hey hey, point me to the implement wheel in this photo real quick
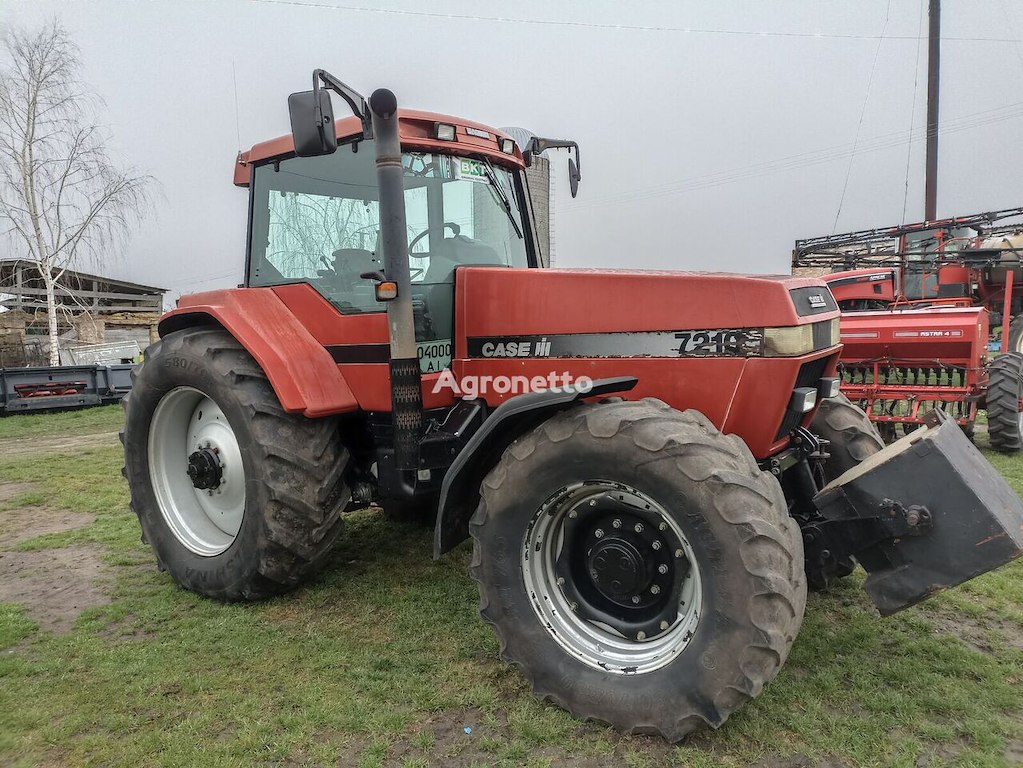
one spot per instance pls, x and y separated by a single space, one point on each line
1004 415
638 566
238 499
1016 336
853 439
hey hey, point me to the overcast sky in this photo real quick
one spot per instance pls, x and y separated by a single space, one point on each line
713 133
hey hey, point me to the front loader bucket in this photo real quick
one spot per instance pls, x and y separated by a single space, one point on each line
926 513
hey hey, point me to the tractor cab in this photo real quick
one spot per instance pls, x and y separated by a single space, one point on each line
315 213
317 221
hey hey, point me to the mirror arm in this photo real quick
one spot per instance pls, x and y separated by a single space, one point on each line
539 145
353 98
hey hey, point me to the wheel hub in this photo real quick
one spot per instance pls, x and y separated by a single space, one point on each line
612 577
196 471
621 566
204 469
617 569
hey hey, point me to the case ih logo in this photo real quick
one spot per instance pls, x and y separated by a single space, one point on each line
817 300
530 348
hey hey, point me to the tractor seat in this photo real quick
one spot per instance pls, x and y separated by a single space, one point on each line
352 262
459 251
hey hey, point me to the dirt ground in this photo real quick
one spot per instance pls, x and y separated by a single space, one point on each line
56 585
57 444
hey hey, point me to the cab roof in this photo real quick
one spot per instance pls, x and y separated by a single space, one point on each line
417 130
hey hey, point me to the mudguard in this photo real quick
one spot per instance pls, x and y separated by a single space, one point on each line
935 513
460 490
301 371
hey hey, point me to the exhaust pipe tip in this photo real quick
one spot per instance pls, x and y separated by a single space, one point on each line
383 102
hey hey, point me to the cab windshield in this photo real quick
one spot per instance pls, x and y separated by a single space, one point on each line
316 220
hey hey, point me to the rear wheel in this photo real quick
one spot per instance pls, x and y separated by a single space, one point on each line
1004 415
853 439
238 499
638 566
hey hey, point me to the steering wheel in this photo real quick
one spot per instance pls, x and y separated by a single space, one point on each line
447 225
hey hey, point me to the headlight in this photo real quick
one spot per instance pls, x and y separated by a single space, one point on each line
788 342
803 399
801 339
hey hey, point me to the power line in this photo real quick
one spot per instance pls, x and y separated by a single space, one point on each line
912 111
841 151
863 112
803 160
1009 26
616 27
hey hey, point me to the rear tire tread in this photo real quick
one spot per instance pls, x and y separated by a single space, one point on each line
307 492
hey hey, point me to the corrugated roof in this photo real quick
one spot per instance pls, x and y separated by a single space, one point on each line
7 271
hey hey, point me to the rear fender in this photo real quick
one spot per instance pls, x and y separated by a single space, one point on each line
460 490
301 371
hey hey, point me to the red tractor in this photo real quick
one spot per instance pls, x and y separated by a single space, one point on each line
651 465
919 302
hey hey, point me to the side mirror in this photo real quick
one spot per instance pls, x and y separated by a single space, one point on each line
538 145
312 123
573 177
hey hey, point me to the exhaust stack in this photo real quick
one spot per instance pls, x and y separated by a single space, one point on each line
406 381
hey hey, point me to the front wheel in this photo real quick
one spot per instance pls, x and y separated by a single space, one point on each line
638 566
852 440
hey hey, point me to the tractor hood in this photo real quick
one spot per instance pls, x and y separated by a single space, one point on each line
594 301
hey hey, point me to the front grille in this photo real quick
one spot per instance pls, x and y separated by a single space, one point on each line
810 374
822 335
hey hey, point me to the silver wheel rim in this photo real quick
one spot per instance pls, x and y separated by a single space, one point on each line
596 644
205 521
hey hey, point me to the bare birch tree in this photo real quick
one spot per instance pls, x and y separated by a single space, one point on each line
62 197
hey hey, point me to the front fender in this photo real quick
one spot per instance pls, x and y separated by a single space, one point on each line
460 490
301 371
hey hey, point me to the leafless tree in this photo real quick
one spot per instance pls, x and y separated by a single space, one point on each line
62 197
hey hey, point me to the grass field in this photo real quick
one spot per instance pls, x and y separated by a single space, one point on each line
382 660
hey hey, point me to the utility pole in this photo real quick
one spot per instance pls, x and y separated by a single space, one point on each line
933 67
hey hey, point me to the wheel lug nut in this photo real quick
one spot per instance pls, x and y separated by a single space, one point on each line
639 528
573 514
662 527
617 523
679 553
655 590
599 533
664 625
635 598
561 581
655 544
574 606
593 502
641 635
662 568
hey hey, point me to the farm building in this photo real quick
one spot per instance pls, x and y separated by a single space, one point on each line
96 316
